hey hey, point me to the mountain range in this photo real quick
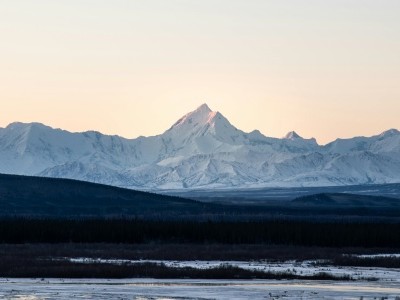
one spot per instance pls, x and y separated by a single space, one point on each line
201 150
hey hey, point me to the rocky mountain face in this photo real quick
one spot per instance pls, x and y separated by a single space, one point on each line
201 150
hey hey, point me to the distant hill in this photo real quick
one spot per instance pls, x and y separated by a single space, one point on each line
38 196
347 200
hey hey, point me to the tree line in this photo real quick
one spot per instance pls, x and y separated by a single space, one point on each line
270 232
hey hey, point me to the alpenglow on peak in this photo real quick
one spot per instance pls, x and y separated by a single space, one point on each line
201 116
204 108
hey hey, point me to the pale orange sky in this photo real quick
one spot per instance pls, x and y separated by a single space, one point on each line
326 69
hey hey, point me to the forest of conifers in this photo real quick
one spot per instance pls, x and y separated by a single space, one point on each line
271 232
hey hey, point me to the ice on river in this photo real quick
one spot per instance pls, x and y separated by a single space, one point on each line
35 289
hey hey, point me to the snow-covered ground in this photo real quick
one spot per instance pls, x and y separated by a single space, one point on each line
379 256
35 289
300 268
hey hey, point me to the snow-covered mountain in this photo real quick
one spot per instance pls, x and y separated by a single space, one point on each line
201 150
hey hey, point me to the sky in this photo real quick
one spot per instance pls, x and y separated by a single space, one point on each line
326 69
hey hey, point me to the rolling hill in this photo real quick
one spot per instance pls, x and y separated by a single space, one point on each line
40 197
24 196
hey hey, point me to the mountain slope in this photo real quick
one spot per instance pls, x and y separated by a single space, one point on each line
201 150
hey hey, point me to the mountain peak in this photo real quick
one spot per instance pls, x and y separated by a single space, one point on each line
203 122
292 135
203 108
19 125
201 116
390 132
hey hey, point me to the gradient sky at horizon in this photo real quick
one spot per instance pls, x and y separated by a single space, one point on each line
326 69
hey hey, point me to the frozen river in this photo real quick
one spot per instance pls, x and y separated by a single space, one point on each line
370 283
193 289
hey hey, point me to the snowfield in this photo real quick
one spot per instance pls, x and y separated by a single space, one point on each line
201 150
